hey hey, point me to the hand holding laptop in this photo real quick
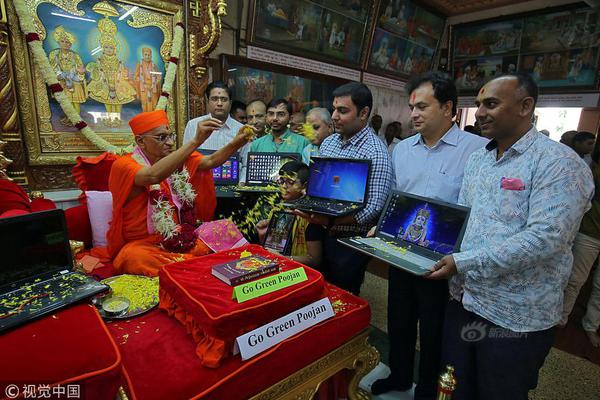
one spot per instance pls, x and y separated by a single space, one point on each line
443 269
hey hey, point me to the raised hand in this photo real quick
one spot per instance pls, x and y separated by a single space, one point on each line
247 133
205 128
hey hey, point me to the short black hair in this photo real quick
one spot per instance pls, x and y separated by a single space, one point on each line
359 93
297 169
275 102
443 87
218 85
237 105
525 82
583 136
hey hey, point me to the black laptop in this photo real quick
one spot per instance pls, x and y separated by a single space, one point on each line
226 176
414 232
336 186
36 273
262 171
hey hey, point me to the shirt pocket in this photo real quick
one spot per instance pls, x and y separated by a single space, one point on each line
446 186
514 204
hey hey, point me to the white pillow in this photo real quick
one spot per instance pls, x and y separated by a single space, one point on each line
99 206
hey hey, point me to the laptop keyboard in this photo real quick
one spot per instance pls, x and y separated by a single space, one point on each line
319 204
40 294
396 251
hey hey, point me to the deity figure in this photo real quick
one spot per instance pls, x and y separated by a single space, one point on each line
148 81
109 82
417 230
69 69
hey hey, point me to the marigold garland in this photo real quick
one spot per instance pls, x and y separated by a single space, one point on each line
41 61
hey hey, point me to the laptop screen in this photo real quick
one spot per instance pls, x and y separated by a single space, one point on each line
264 168
424 223
226 173
33 244
337 179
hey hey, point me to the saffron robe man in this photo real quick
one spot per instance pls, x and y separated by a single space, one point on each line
132 240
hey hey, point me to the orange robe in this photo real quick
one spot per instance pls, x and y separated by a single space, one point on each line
133 249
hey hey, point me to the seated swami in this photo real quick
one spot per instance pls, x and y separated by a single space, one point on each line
160 193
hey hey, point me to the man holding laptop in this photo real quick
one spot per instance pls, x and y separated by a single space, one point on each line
527 195
353 139
429 164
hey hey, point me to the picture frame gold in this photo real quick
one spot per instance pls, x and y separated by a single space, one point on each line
48 138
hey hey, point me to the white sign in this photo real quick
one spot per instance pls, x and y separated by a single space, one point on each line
266 336
549 100
306 64
382 81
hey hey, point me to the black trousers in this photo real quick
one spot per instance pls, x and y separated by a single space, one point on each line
411 299
492 363
343 266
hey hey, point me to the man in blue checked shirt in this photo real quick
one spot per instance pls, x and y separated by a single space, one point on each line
352 105
527 195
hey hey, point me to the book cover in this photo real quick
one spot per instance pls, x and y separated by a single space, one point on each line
220 235
245 269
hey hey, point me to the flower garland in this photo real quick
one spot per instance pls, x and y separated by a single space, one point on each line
176 238
41 61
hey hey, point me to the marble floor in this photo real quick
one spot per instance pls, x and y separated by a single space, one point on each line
563 376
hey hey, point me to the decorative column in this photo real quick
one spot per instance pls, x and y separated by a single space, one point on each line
11 142
203 22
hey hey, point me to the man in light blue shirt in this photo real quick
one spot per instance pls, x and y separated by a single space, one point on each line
527 195
429 164
218 95
320 120
281 139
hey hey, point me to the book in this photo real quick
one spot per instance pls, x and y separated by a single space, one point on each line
220 235
245 269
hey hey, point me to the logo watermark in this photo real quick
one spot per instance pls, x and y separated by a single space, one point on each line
42 391
477 331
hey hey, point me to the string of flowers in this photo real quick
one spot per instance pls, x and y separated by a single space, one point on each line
40 59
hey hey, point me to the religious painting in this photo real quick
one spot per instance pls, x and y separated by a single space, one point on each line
405 39
329 30
251 80
557 47
110 59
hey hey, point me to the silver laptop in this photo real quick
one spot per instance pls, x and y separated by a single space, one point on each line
414 232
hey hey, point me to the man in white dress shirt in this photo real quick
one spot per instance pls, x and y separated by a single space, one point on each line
428 164
218 95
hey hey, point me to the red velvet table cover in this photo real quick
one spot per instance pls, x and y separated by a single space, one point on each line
205 306
160 362
70 347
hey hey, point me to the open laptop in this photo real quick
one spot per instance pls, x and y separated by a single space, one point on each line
262 170
226 176
336 186
414 232
36 273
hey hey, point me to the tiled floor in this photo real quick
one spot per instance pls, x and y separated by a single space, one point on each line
563 376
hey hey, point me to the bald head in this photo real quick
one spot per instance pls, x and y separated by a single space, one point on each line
505 106
256 112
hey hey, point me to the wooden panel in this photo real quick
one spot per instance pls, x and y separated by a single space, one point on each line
453 7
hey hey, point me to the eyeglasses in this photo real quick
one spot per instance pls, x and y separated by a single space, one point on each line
286 181
216 99
162 138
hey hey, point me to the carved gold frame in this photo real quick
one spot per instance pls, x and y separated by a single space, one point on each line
34 105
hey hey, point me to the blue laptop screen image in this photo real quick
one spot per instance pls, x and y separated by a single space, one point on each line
338 180
432 226
227 172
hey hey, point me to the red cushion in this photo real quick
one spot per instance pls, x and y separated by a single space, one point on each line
91 173
13 213
42 205
13 197
205 305
78 224
154 342
72 346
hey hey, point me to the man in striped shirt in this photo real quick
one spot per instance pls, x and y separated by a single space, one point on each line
354 138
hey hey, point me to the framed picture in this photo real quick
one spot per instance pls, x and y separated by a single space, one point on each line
405 40
333 31
251 80
279 233
558 47
109 58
